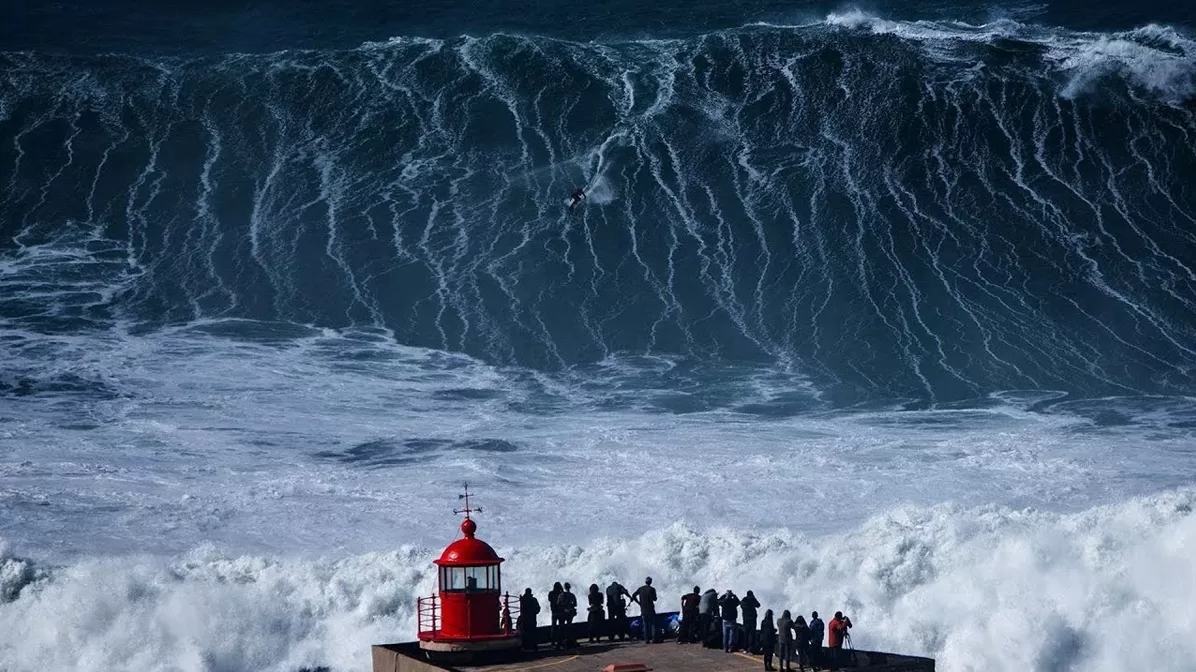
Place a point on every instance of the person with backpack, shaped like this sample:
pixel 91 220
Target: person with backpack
pixel 714 636
pixel 616 610
pixel 567 604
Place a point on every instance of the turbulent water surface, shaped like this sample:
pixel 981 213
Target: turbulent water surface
pixel 891 311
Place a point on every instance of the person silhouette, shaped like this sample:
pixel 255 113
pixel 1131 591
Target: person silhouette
pixel 578 195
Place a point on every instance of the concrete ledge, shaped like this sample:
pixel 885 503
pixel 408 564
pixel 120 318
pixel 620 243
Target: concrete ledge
pixel 479 646
pixel 667 657
pixel 507 655
pixel 404 657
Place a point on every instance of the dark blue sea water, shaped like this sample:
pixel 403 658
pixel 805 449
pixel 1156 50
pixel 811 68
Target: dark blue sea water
pixel 883 305
pixel 251 26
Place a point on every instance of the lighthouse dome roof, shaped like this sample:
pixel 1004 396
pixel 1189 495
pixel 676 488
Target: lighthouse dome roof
pixel 468 552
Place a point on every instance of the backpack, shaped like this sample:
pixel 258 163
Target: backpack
pixel 567 602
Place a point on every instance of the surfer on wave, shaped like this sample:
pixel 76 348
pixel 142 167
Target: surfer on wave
pixel 578 195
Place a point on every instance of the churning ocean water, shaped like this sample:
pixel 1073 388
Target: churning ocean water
pixel 886 308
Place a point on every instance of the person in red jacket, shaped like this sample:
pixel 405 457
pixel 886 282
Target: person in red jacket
pixel 836 633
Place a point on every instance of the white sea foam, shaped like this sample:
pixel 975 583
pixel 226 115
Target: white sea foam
pixel 186 518
pixel 157 443
pixel 988 588
pixel 1156 58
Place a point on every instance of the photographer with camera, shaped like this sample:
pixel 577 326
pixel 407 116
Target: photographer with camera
pixel 837 632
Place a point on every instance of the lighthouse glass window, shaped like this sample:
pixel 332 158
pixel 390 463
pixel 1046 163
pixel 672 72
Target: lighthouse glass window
pixel 469 578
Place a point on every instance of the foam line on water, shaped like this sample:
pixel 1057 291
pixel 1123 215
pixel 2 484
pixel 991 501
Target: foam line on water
pixel 157 442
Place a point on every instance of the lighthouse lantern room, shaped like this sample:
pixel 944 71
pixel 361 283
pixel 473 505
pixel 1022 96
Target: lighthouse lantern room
pixel 469 612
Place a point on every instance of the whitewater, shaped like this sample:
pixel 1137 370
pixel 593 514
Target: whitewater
pixel 883 316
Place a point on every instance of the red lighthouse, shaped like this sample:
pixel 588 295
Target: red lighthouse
pixel 469 613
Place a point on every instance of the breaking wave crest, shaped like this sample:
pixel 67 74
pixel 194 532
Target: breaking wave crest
pixel 979 589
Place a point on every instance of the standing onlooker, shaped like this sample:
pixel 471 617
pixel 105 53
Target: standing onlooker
pixel 729 605
pixel 706 611
pixel 554 608
pixel 749 604
pixel 690 628
pixel 645 596
pixel 616 610
pixel 768 639
pixel 529 606
pixel 785 641
pixel 594 616
pixel 568 604
pixel 816 633
pixel 801 641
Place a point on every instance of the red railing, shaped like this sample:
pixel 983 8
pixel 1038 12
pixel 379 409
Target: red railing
pixel 509 617
pixel 429 619
pixel 428 611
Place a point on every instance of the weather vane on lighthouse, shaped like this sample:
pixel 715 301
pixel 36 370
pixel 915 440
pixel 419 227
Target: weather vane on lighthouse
pixel 468 527
pixel 467 510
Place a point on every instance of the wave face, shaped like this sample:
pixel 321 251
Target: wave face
pixel 980 589
pixel 930 210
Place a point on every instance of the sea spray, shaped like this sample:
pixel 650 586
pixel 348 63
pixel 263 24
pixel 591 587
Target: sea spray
pixel 989 588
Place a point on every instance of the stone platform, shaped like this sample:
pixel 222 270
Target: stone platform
pixel 666 656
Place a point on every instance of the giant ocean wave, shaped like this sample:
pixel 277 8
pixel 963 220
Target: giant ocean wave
pixel 904 309
pixel 931 210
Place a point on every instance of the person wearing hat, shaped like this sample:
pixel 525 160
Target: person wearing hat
pixel 645 596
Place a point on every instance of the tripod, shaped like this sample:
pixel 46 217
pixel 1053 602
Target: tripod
pixel 850 647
